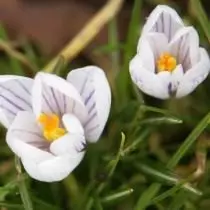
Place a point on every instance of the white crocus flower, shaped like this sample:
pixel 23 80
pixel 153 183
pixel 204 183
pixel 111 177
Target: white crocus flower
pixel 169 61
pixel 49 125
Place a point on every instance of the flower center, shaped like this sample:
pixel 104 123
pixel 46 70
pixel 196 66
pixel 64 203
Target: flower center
pixel 50 124
pixel 166 62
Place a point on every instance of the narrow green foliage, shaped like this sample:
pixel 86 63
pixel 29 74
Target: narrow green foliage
pixel 129 51
pixel 200 14
pixel 22 186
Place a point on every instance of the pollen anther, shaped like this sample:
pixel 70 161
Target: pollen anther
pixel 50 124
pixel 166 62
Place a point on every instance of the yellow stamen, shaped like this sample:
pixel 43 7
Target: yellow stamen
pixel 166 62
pixel 50 124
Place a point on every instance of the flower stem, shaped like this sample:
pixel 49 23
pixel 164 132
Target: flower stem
pixel 22 186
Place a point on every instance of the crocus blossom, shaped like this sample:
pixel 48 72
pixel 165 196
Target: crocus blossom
pixel 169 61
pixel 50 119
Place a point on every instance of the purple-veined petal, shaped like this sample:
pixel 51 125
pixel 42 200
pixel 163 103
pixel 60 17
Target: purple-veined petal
pixel 185 47
pixel 93 86
pixel 52 94
pixel 15 96
pixel 147 81
pixel 177 75
pixel 163 19
pixel 194 76
pixel 25 138
pixel 158 45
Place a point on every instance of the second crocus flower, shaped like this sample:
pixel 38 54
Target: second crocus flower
pixel 169 61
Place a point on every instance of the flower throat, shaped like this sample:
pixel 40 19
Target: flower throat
pixel 50 124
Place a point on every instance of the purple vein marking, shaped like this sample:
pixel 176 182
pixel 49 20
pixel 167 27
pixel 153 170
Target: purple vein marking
pixel 92 108
pixel 23 86
pixel 92 128
pixel 47 102
pixel 185 59
pixel 83 85
pixel 90 118
pixel 64 103
pixel 55 99
pixel 179 48
pixel 169 34
pixel 29 132
pixel 8 110
pixel 17 96
pixel 162 20
pixel 11 102
pixel 89 97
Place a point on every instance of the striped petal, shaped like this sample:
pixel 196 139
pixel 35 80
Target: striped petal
pixel 185 47
pixel 194 76
pixel 15 96
pixel 150 83
pixel 40 163
pixel 52 94
pixel 25 138
pixel 163 19
pixel 93 86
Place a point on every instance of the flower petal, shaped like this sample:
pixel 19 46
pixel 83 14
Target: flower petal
pixel 166 80
pixel 147 81
pixel 51 170
pixel 69 144
pixel 194 76
pixel 25 139
pixel 163 19
pixel 158 44
pixel 72 124
pixel 93 86
pixel 147 53
pixel 52 94
pixel 15 96
pixel 177 76
pixel 185 46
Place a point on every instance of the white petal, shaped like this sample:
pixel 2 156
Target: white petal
pixel 72 124
pixel 147 81
pixel 25 150
pixel 150 48
pixel 158 43
pixel 185 47
pixel 194 76
pixel 15 96
pixel 163 19
pixel 54 169
pixel 69 144
pixel 177 76
pixel 52 94
pixel 93 86
pixel 146 53
pixel 166 80
pixel 25 139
